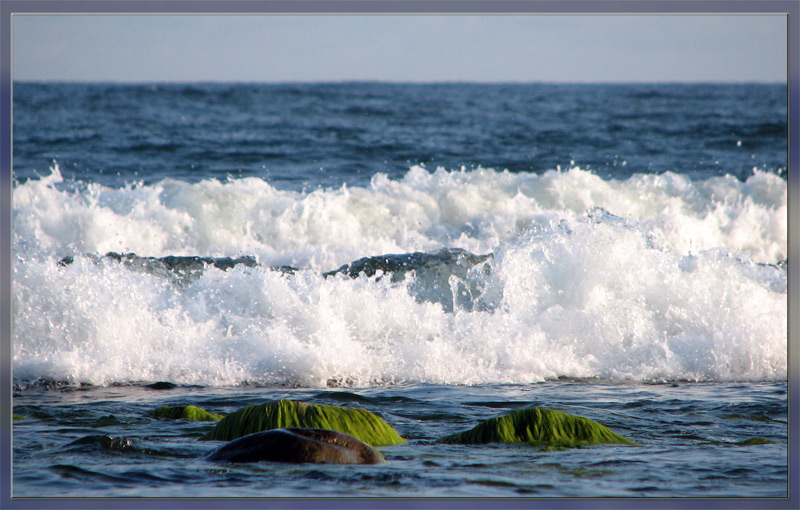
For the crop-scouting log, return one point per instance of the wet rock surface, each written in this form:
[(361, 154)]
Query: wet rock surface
[(297, 445)]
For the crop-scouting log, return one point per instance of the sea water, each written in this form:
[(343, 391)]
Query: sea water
[(616, 252)]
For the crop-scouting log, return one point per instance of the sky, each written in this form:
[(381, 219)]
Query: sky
[(404, 48)]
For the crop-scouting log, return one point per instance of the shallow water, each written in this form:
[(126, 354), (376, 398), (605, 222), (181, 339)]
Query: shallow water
[(687, 435)]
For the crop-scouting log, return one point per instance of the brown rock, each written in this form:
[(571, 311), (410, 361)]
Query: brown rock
[(297, 445)]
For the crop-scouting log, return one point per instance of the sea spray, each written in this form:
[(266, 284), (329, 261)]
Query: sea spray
[(423, 211), (643, 279)]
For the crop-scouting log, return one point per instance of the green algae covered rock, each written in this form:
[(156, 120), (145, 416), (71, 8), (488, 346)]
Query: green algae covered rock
[(184, 413), (538, 427), (279, 414), (755, 441)]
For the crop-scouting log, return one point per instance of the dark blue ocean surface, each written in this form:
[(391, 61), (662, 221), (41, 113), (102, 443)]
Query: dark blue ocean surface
[(695, 440), (439, 254), (305, 135)]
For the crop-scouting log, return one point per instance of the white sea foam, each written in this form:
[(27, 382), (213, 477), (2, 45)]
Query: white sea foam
[(663, 283)]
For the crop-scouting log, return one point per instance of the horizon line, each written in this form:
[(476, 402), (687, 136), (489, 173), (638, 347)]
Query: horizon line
[(393, 82)]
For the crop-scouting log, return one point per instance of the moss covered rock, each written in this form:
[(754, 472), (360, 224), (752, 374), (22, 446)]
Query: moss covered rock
[(184, 413), (279, 414), (755, 441), (538, 427)]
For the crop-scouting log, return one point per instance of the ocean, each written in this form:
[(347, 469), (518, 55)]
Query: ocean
[(437, 254)]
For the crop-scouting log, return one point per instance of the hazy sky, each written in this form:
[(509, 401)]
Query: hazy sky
[(269, 48)]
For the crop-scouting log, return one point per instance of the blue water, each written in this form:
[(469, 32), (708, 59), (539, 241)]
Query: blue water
[(306, 135), (613, 251)]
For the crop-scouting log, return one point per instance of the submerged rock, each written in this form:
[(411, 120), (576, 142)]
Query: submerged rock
[(279, 414), (104, 442), (755, 441), (451, 276), (177, 268), (538, 427), (184, 413), (398, 265), (297, 445), (161, 385)]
